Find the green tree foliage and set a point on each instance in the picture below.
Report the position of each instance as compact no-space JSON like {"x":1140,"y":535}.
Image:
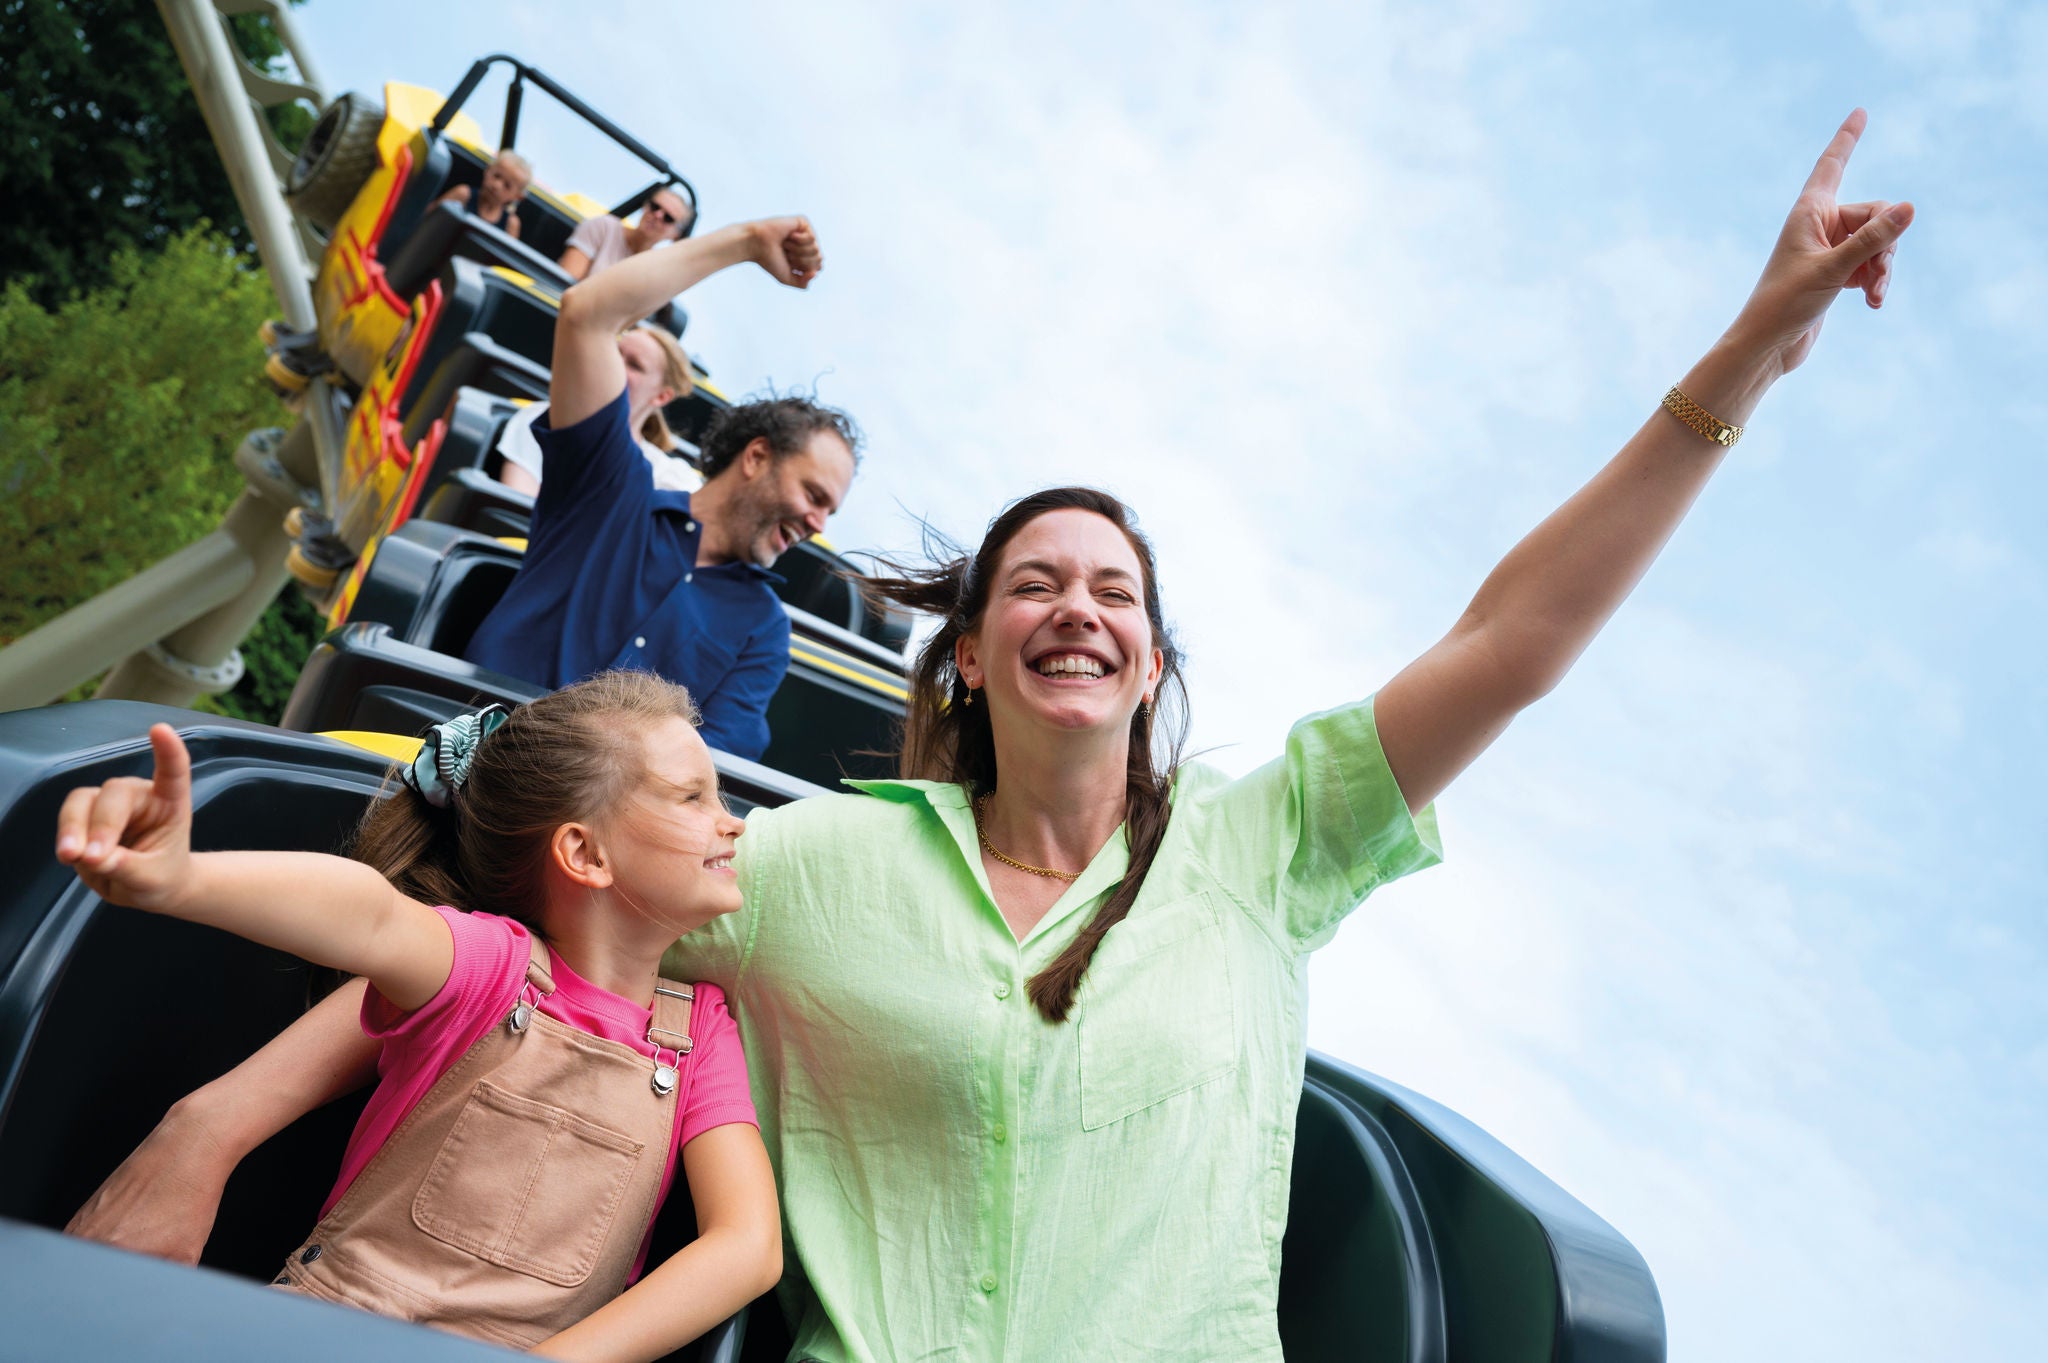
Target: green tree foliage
{"x":102,"y":144}
{"x":119,"y":413}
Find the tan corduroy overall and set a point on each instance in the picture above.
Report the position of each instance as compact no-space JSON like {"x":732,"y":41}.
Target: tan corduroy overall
{"x":512,"y":1201}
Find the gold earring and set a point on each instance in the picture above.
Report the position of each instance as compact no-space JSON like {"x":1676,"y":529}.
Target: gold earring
{"x":968,"y":704}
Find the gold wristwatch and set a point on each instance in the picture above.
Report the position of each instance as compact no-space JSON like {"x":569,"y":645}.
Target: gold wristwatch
{"x":1700,"y":419}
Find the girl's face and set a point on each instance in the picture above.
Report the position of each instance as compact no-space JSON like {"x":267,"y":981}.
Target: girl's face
{"x":671,"y":842}
{"x":1064,"y":640}
{"x":503,"y":184}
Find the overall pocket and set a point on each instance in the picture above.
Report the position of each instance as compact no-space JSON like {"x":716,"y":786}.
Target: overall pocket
{"x":1155,"y":1015}
{"x":526,"y":1186}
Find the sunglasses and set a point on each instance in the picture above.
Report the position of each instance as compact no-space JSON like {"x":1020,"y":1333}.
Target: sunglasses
{"x":658,"y":211}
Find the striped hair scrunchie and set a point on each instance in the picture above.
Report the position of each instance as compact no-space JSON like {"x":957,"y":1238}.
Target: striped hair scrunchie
{"x":447,"y":753}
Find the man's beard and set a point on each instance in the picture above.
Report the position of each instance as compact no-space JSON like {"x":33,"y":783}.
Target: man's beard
{"x":763,"y":520}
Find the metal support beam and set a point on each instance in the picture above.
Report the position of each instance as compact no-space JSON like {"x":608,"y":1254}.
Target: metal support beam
{"x":198,"y":34}
{"x":207,"y":596}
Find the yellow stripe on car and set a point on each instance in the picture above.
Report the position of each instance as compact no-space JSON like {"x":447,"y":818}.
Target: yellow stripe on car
{"x":817,"y":655}
{"x":397,"y":747}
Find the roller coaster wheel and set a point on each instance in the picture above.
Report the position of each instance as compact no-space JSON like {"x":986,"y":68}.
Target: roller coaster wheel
{"x":337,"y":157}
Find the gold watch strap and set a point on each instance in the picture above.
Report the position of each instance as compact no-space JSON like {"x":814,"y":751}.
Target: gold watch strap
{"x":1700,"y":419}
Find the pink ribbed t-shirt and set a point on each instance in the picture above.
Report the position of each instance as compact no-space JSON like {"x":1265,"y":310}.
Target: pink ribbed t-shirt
{"x":489,"y":971}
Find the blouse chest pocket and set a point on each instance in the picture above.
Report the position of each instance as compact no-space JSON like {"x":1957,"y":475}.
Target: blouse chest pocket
{"x":527,"y":1186}
{"x":1156,"y":1017}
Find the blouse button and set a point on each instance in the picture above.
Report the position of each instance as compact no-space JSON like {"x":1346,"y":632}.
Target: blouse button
{"x":1002,"y":991}
{"x":988,"y":1282}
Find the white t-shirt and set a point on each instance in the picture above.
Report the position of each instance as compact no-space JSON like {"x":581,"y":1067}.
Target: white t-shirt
{"x":603,"y":239}
{"x":519,"y":447}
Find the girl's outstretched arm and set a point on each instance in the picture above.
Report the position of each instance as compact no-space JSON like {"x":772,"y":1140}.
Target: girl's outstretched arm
{"x":131,"y":842}
{"x":1540,"y":608}
{"x":736,"y":1256}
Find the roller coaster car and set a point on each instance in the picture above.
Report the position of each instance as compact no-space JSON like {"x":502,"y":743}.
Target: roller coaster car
{"x":1412,"y":1236}
{"x":398,"y":664}
{"x":416,"y":298}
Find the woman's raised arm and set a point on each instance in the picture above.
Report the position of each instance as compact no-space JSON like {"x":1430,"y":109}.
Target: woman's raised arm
{"x":163,"y":1198}
{"x":1542,"y":605}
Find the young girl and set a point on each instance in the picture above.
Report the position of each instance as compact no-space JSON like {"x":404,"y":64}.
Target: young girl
{"x":496,"y":199}
{"x":537,"y":1077}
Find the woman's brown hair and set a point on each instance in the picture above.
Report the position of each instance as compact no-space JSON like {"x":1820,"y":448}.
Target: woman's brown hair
{"x":568,"y":756}
{"x":946,"y":739}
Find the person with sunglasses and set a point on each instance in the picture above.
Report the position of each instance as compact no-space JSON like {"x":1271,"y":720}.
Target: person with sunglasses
{"x":601,"y":242}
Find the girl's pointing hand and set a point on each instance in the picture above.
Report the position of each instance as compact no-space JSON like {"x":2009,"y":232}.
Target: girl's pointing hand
{"x":130,"y":840}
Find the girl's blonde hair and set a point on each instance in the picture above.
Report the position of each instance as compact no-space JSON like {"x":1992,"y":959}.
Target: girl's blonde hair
{"x":567,"y":757}
{"x":676,"y":373}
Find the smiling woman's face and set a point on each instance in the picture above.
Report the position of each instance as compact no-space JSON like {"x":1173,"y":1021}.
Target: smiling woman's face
{"x":1064,"y":640}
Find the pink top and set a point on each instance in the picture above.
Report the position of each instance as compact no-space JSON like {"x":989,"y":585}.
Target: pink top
{"x":489,"y":971}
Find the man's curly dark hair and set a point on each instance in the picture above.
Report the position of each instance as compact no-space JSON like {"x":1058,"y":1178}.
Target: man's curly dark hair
{"x":786,"y":423}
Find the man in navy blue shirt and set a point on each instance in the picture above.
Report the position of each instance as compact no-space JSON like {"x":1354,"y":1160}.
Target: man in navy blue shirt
{"x":619,"y":573}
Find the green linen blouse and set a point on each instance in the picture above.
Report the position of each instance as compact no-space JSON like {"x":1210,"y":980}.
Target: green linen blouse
{"x":961,"y":1179}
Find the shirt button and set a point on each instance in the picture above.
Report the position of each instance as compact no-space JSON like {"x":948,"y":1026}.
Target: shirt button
{"x":1000,"y":1133}
{"x":690,"y":526}
{"x":1002,"y":991}
{"x":640,"y":641}
{"x":988,"y":1282}
{"x":688,"y":576}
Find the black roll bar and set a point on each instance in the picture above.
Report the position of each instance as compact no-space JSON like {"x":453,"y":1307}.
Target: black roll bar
{"x":513,"y":98}
{"x":521,"y":73}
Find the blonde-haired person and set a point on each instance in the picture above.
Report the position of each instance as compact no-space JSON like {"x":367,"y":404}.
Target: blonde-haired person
{"x":496,"y":200}
{"x":1026,"y":1028}
{"x":657,"y":373}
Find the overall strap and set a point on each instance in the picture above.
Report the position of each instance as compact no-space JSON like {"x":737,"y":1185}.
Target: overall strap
{"x":669,"y":1030}
{"x":671,"y":1024}
{"x":538,"y":979}
{"x":537,"y":973}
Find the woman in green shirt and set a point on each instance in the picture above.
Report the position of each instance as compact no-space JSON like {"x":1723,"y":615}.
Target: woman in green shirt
{"x":1027,"y":1032}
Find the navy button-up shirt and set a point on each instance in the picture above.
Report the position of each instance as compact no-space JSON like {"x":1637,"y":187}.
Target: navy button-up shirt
{"x":611,"y":580}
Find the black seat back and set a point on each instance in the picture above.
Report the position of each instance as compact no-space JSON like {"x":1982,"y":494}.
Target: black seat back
{"x":474,"y":500}
{"x":476,"y":422}
{"x":449,"y":230}
{"x":837,"y":713}
{"x":513,"y":312}
{"x":471,"y":581}
{"x":1358,"y":1268}
{"x":63,"y":1127}
{"x":546,"y":220}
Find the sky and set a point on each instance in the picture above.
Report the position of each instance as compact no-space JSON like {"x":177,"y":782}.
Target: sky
{"x":1740,"y":933}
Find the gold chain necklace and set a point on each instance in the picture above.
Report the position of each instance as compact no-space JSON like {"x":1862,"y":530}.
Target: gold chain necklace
{"x":980,"y":803}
